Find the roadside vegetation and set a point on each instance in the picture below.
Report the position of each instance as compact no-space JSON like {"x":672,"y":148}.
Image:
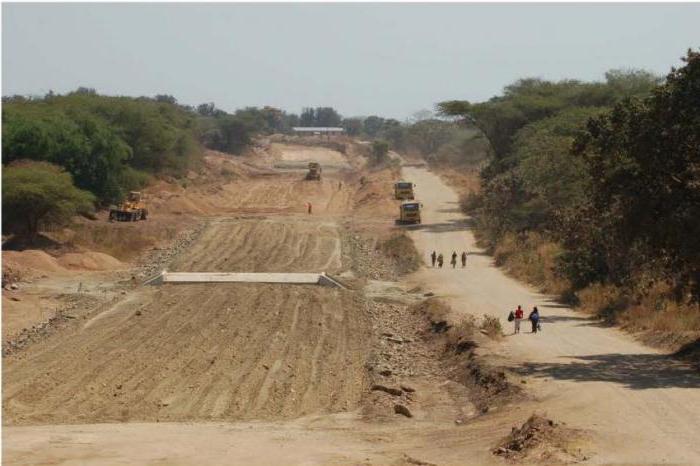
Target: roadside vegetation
{"x":592,"y":192}
{"x":102,"y":147}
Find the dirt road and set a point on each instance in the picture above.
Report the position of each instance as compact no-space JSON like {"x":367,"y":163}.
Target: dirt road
{"x":644,"y":407}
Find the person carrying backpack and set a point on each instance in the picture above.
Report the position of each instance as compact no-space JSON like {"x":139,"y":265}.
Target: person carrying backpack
{"x":534,"y":319}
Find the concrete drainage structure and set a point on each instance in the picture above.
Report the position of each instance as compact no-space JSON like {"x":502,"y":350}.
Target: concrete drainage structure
{"x":244,"y":277}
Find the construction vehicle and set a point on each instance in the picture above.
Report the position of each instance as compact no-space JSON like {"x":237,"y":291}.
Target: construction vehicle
{"x":404,"y":190}
{"x":409,"y":212}
{"x":131,"y":210}
{"x":314,"y":171}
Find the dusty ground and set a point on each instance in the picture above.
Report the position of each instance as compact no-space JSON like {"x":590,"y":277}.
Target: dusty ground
{"x":268,"y":374}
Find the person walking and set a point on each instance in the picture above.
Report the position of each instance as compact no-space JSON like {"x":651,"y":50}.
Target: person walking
{"x":440,"y":259}
{"x":464,"y":259}
{"x":433,"y":258}
{"x":534,"y":319}
{"x":309,"y":207}
{"x":454,"y":259}
{"x":519,"y":314}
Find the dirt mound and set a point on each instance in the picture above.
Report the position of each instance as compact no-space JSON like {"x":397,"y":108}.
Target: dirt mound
{"x":30,"y":262}
{"x":89,"y":261}
{"x":542,"y":440}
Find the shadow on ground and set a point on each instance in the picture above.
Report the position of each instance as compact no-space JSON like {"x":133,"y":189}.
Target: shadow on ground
{"x":635,"y":371}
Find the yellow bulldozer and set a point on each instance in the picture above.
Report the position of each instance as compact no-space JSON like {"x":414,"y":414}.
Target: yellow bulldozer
{"x":314,"y":171}
{"x":409,"y":212}
{"x":131,"y":210}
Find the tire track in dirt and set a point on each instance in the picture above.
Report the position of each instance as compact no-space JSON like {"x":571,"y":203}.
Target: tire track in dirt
{"x":207,"y":351}
{"x":264,"y":245}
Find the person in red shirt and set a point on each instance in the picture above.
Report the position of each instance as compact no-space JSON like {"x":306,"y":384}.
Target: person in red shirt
{"x":519,"y":314}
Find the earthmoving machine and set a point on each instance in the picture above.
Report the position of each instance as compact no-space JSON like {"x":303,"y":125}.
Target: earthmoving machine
{"x":314,"y":171}
{"x":409,"y":212}
{"x":404,"y":190}
{"x":131,"y":210}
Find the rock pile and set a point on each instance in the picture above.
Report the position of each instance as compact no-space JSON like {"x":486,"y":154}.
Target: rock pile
{"x":158,"y":259}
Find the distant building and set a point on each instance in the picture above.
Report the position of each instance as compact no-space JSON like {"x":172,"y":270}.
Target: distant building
{"x":318,"y":130}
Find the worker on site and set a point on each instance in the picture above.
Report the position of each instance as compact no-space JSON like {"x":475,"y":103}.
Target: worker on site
{"x":464,"y":259}
{"x":433,"y":257}
{"x":454,"y":259}
{"x":440,"y":259}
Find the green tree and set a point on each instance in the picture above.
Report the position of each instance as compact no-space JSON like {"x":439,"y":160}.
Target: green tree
{"x":643,"y":160}
{"x":38,"y":195}
{"x":372,"y":125}
{"x":380,"y":152}
{"x":352,"y":126}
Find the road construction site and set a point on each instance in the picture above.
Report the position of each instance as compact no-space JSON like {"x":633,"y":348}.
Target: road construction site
{"x":260,"y":373}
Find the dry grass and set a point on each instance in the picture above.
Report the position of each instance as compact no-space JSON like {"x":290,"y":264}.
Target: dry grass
{"x":491,"y":327}
{"x":656,"y":317}
{"x":532,"y":259}
{"x":403,"y":253}
{"x":465,"y":181}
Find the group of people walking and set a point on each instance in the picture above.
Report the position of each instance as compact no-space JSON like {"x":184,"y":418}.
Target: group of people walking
{"x":439,"y":259}
{"x":517,"y":315}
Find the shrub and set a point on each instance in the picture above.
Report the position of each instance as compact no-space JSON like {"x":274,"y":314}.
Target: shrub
{"x":39,"y":194}
{"x":491,"y":326}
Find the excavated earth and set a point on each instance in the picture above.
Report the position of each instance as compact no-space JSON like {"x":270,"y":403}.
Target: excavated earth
{"x":214,"y":351}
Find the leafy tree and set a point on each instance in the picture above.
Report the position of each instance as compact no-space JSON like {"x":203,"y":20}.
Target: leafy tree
{"x":372,"y":125}
{"x":380,"y":152}
{"x":37,"y":195}
{"x":82,"y":144}
{"x":235,"y":134}
{"x":168,"y":99}
{"x":352,"y":126}
{"x":207,"y":109}
{"x":645,"y":181}
{"x":320,"y":116}
{"x":428,"y":135}
{"x":327,"y":116}
{"x":307,"y":117}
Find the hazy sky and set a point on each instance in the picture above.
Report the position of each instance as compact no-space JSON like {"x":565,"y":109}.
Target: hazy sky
{"x":362,"y":59}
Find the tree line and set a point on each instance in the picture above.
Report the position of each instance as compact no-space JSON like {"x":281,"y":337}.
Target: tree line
{"x":608,"y":171}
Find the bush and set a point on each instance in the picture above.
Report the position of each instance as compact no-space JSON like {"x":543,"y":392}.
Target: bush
{"x":380,"y":152}
{"x":491,"y":326}
{"x":403,"y":252}
{"x":38,"y":195}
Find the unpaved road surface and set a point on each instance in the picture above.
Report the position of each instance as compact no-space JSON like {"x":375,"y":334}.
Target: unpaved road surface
{"x":644,"y":406}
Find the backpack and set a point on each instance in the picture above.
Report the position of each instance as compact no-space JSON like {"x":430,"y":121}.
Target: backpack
{"x":511,"y":316}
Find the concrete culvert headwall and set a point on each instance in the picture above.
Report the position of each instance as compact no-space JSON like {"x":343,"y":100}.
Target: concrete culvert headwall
{"x":244,"y":277}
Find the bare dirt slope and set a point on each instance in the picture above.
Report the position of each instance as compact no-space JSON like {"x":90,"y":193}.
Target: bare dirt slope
{"x":210,"y":351}
{"x":644,"y":406}
{"x":279,"y":244}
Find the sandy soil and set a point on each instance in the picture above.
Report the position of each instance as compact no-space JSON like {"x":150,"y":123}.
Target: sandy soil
{"x":207,"y":352}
